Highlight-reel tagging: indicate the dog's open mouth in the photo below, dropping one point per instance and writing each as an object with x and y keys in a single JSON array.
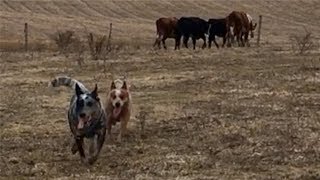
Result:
[
  {"x": 84, "y": 122},
  {"x": 116, "y": 112}
]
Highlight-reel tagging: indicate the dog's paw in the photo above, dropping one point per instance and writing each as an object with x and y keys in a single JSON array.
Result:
[
  {"x": 91, "y": 160},
  {"x": 122, "y": 137},
  {"x": 85, "y": 161},
  {"x": 109, "y": 139},
  {"x": 74, "y": 149},
  {"x": 119, "y": 139}
]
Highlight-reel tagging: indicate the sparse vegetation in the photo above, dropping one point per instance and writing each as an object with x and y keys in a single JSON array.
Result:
[
  {"x": 97, "y": 45},
  {"x": 79, "y": 47},
  {"x": 304, "y": 43},
  {"x": 142, "y": 117},
  {"x": 63, "y": 40},
  {"x": 232, "y": 113}
]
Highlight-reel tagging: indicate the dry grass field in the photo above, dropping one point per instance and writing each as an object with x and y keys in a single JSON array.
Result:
[{"x": 233, "y": 113}]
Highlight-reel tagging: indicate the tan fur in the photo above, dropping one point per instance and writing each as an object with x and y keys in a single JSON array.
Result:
[{"x": 125, "y": 114}]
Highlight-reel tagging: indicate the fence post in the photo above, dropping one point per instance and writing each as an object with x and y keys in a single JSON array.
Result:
[
  {"x": 108, "y": 49},
  {"x": 259, "y": 30},
  {"x": 26, "y": 36},
  {"x": 109, "y": 38}
]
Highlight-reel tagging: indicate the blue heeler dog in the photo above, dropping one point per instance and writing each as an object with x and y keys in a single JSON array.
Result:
[{"x": 87, "y": 118}]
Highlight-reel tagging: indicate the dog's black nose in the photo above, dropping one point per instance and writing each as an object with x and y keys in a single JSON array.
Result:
[
  {"x": 82, "y": 115},
  {"x": 117, "y": 104}
]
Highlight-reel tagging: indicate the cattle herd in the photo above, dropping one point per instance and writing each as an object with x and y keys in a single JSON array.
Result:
[{"x": 237, "y": 25}]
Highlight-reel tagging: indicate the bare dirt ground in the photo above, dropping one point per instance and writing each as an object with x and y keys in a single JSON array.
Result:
[{"x": 235, "y": 113}]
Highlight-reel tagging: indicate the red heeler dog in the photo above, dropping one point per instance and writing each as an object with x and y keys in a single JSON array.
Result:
[{"x": 118, "y": 107}]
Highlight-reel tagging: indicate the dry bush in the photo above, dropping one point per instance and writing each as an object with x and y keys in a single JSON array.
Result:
[
  {"x": 63, "y": 40},
  {"x": 97, "y": 45},
  {"x": 80, "y": 51},
  {"x": 302, "y": 44},
  {"x": 68, "y": 42}
]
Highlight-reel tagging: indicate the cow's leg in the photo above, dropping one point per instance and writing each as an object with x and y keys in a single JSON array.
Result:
[
  {"x": 209, "y": 41},
  {"x": 228, "y": 38},
  {"x": 158, "y": 41},
  {"x": 215, "y": 42},
  {"x": 164, "y": 42},
  {"x": 233, "y": 39},
  {"x": 242, "y": 39},
  {"x": 224, "y": 41},
  {"x": 204, "y": 41},
  {"x": 177, "y": 43},
  {"x": 239, "y": 39},
  {"x": 194, "y": 40},
  {"x": 246, "y": 38},
  {"x": 185, "y": 40},
  {"x": 155, "y": 42}
]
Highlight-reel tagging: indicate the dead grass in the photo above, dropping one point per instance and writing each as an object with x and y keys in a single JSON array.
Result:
[
  {"x": 34, "y": 46},
  {"x": 223, "y": 117},
  {"x": 232, "y": 113}
]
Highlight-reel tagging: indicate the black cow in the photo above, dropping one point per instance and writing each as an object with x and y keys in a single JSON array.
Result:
[
  {"x": 193, "y": 27},
  {"x": 217, "y": 27}
]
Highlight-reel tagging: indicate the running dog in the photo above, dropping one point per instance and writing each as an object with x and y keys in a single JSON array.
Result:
[
  {"x": 118, "y": 107},
  {"x": 86, "y": 116}
]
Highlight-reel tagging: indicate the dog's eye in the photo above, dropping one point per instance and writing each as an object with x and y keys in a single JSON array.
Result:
[
  {"x": 114, "y": 96},
  {"x": 81, "y": 103},
  {"x": 89, "y": 104},
  {"x": 121, "y": 97}
]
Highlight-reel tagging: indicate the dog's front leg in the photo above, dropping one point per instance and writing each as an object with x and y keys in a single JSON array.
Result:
[
  {"x": 123, "y": 128},
  {"x": 93, "y": 149},
  {"x": 100, "y": 139},
  {"x": 97, "y": 145},
  {"x": 93, "y": 145},
  {"x": 79, "y": 142},
  {"x": 74, "y": 148},
  {"x": 109, "y": 126}
]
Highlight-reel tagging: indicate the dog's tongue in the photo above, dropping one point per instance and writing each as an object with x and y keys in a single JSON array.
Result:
[
  {"x": 116, "y": 112},
  {"x": 81, "y": 123}
]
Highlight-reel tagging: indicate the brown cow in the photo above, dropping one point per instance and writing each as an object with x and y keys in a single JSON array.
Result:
[
  {"x": 165, "y": 29},
  {"x": 242, "y": 25}
]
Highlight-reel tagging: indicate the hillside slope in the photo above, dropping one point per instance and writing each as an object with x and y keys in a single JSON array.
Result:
[{"x": 135, "y": 19}]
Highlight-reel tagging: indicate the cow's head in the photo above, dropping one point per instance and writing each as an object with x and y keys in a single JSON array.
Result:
[{"x": 252, "y": 28}]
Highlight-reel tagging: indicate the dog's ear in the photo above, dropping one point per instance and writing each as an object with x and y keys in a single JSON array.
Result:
[
  {"x": 124, "y": 85},
  {"x": 113, "y": 86},
  {"x": 78, "y": 90},
  {"x": 94, "y": 93}
]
